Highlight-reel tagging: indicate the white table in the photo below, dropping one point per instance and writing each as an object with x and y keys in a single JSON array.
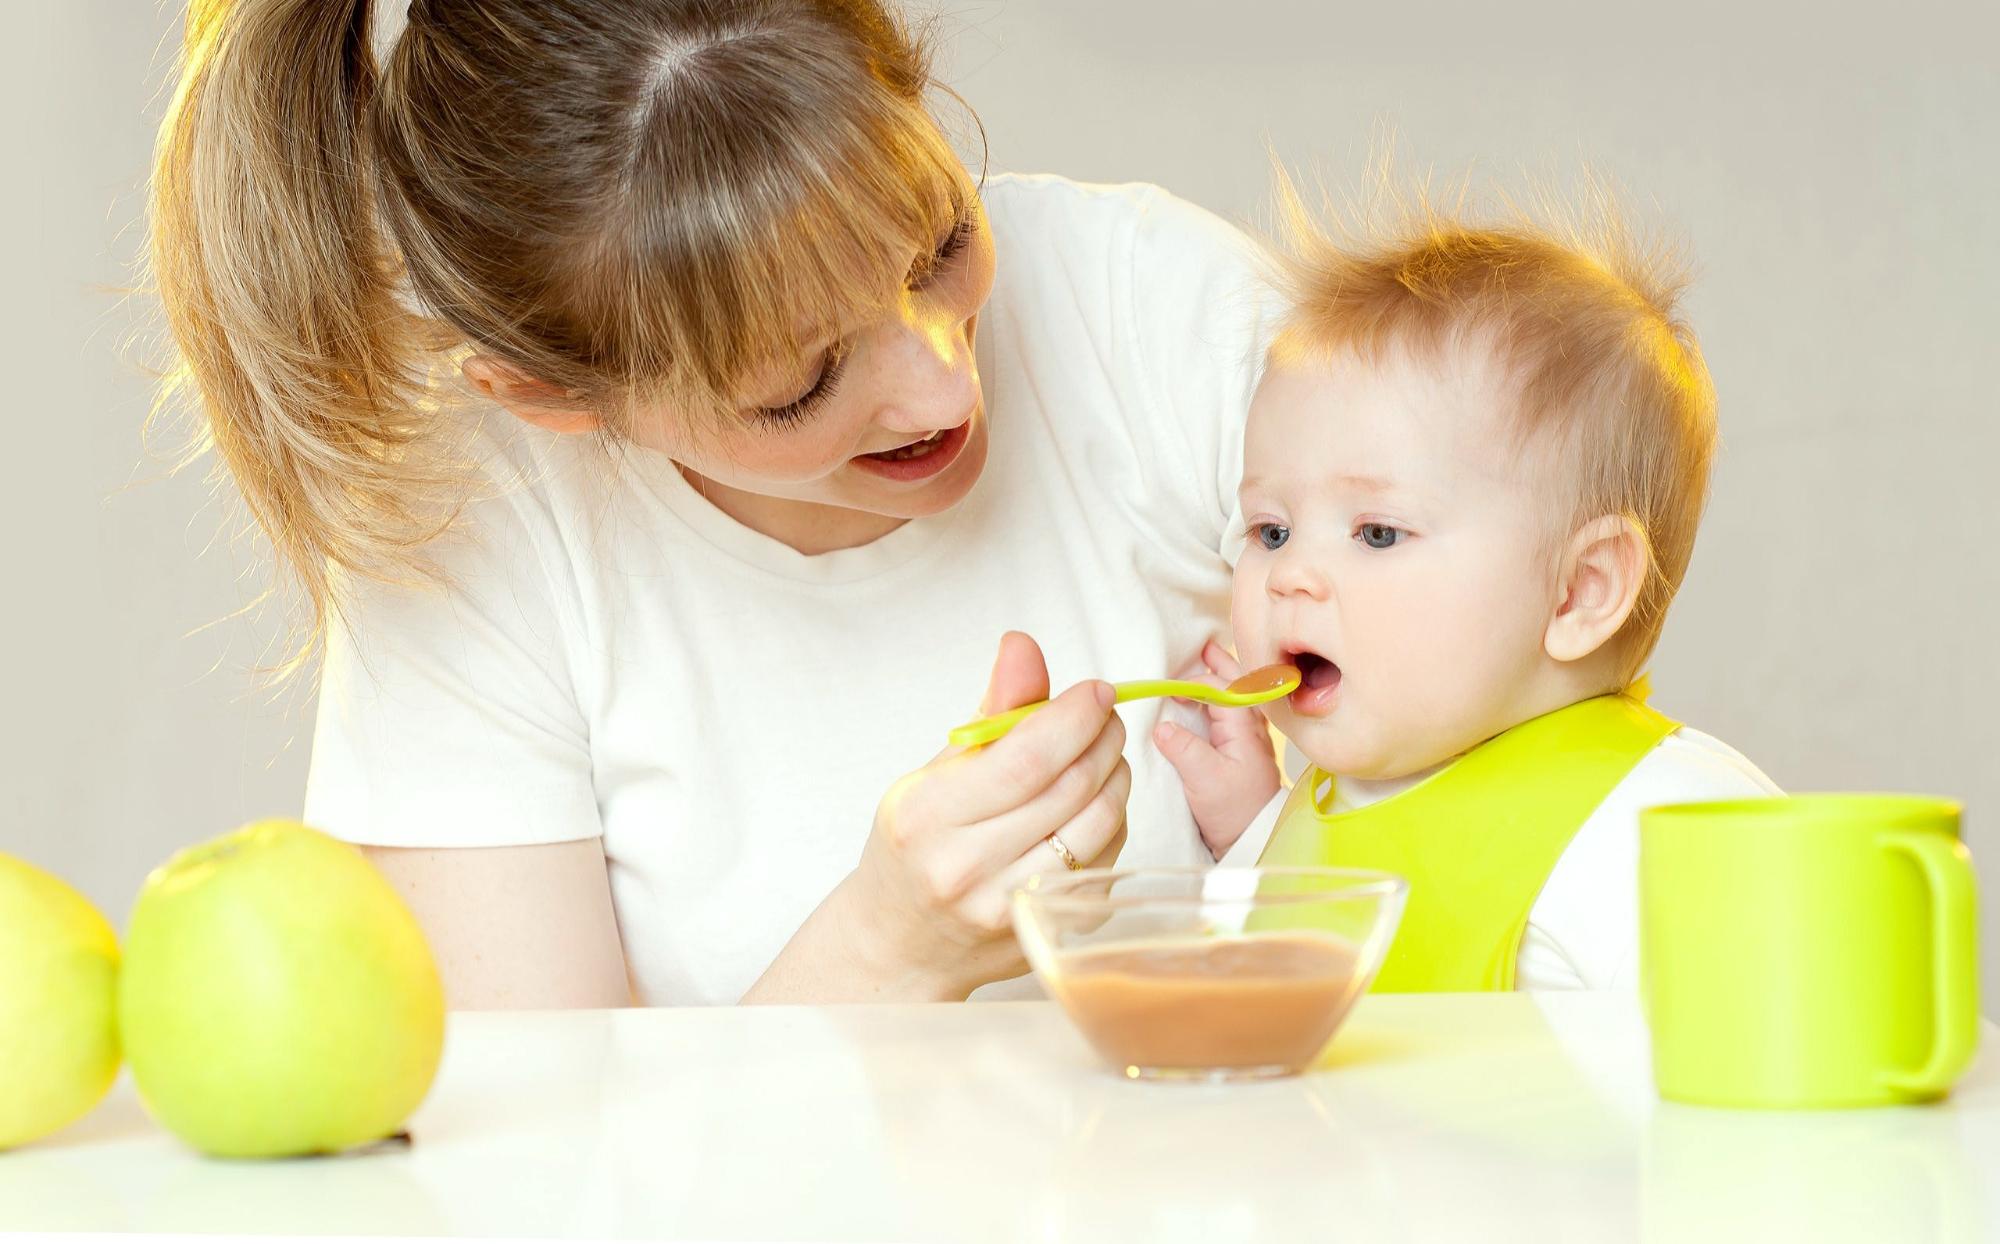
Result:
[{"x": 1443, "y": 1117}]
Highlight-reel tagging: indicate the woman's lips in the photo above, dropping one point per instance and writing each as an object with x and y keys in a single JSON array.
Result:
[
  {"x": 1319, "y": 684},
  {"x": 921, "y": 461}
]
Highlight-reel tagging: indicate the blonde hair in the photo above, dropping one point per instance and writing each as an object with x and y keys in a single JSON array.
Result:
[
  {"x": 1583, "y": 314},
  {"x": 628, "y": 200}
]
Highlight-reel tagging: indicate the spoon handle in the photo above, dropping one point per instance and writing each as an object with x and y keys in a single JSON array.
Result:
[
  {"x": 987, "y": 729},
  {"x": 1146, "y": 688}
]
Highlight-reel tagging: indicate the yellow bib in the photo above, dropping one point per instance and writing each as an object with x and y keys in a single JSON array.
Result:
[{"x": 1477, "y": 840}]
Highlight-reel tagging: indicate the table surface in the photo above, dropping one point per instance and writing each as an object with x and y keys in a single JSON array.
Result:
[{"x": 1489, "y": 1117}]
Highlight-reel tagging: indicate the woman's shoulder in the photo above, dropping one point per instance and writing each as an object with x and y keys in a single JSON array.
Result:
[
  {"x": 1062, "y": 217},
  {"x": 511, "y": 464},
  {"x": 1165, "y": 287},
  {"x": 1052, "y": 194},
  {"x": 516, "y": 490},
  {"x": 1145, "y": 309}
]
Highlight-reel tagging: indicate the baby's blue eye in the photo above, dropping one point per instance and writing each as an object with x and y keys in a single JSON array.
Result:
[
  {"x": 1379, "y": 535},
  {"x": 1271, "y": 535}
]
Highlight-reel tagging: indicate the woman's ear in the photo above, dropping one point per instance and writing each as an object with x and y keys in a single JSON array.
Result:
[
  {"x": 528, "y": 399},
  {"x": 1603, "y": 569}
]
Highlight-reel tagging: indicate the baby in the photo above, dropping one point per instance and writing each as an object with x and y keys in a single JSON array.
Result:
[{"x": 1472, "y": 477}]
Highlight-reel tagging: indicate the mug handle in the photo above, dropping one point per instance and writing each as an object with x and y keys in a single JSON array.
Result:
[{"x": 1947, "y": 873}]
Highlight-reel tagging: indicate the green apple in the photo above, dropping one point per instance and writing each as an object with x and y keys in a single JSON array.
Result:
[
  {"x": 58, "y": 1004},
  {"x": 277, "y": 998}
]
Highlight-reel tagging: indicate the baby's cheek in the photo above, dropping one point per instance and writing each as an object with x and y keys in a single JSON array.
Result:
[
  {"x": 1431, "y": 663},
  {"x": 1425, "y": 696},
  {"x": 1424, "y": 641},
  {"x": 1246, "y": 615}
]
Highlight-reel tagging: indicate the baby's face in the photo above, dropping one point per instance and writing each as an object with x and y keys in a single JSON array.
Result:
[{"x": 1396, "y": 553}]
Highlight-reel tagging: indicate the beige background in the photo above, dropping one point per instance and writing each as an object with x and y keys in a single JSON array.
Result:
[{"x": 1833, "y": 175}]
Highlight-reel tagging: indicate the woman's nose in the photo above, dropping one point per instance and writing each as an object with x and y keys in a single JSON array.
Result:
[{"x": 936, "y": 380}]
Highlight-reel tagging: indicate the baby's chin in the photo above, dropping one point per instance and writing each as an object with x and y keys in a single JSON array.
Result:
[
  {"x": 1366, "y": 768},
  {"x": 1365, "y": 756}
]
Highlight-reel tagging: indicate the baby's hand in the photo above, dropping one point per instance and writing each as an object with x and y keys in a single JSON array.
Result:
[{"x": 1230, "y": 775}]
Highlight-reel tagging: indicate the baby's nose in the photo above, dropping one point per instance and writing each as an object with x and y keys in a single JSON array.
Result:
[{"x": 1297, "y": 576}]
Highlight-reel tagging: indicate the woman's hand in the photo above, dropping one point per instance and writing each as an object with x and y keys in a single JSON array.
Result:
[
  {"x": 955, "y": 839},
  {"x": 926, "y": 912}
]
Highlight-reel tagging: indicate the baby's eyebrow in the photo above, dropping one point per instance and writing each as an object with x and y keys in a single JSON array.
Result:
[
  {"x": 1346, "y": 479},
  {"x": 1362, "y": 483}
]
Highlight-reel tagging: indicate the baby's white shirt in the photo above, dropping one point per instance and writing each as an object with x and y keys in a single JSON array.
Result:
[{"x": 1583, "y": 931}]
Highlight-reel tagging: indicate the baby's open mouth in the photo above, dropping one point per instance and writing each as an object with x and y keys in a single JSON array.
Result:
[{"x": 1319, "y": 682}]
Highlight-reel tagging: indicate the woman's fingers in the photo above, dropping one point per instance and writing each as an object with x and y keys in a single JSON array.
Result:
[
  {"x": 1095, "y": 836},
  {"x": 965, "y": 876},
  {"x": 1006, "y": 836},
  {"x": 1020, "y": 675},
  {"x": 1088, "y": 833},
  {"x": 1091, "y": 832},
  {"x": 1011, "y": 771},
  {"x": 1108, "y": 857}
]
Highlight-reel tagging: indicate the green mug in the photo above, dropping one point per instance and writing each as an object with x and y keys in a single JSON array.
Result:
[{"x": 1815, "y": 950}]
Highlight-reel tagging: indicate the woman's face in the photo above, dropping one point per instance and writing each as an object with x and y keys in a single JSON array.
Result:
[{"x": 886, "y": 418}]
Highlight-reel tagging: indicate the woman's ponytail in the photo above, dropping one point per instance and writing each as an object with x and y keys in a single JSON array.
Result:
[{"x": 281, "y": 295}]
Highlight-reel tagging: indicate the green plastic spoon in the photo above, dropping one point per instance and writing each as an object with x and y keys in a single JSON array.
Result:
[{"x": 1259, "y": 686}]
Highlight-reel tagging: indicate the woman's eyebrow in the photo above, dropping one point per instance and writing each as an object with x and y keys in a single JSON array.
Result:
[{"x": 960, "y": 209}]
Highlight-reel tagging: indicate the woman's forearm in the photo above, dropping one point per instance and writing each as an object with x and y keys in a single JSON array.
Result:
[{"x": 833, "y": 958}]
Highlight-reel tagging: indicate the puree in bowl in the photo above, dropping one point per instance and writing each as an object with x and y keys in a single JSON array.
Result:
[{"x": 1262, "y": 1000}]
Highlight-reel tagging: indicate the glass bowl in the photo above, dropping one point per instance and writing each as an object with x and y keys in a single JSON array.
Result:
[{"x": 1211, "y": 974}]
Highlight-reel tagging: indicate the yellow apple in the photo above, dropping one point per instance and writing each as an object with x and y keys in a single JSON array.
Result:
[
  {"x": 277, "y": 998},
  {"x": 58, "y": 1003}
]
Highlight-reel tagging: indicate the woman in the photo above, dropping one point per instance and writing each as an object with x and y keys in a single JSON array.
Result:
[{"x": 617, "y": 690}]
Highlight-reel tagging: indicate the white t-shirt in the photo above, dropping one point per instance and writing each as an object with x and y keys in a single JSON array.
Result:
[
  {"x": 1583, "y": 931},
  {"x": 620, "y": 658}
]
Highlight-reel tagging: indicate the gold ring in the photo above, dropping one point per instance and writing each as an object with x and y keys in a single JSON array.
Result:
[{"x": 1068, "y": 858}]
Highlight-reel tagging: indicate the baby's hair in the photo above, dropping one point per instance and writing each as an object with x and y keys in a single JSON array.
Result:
[
  {"x": 1608, "y": 381},
  {"x": 626, "y": 200}
]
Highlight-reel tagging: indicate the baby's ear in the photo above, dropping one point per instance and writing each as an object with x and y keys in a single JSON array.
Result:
[
  {"x": 1603, "y": 568},
  {"x": 528, "y": 399}
]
